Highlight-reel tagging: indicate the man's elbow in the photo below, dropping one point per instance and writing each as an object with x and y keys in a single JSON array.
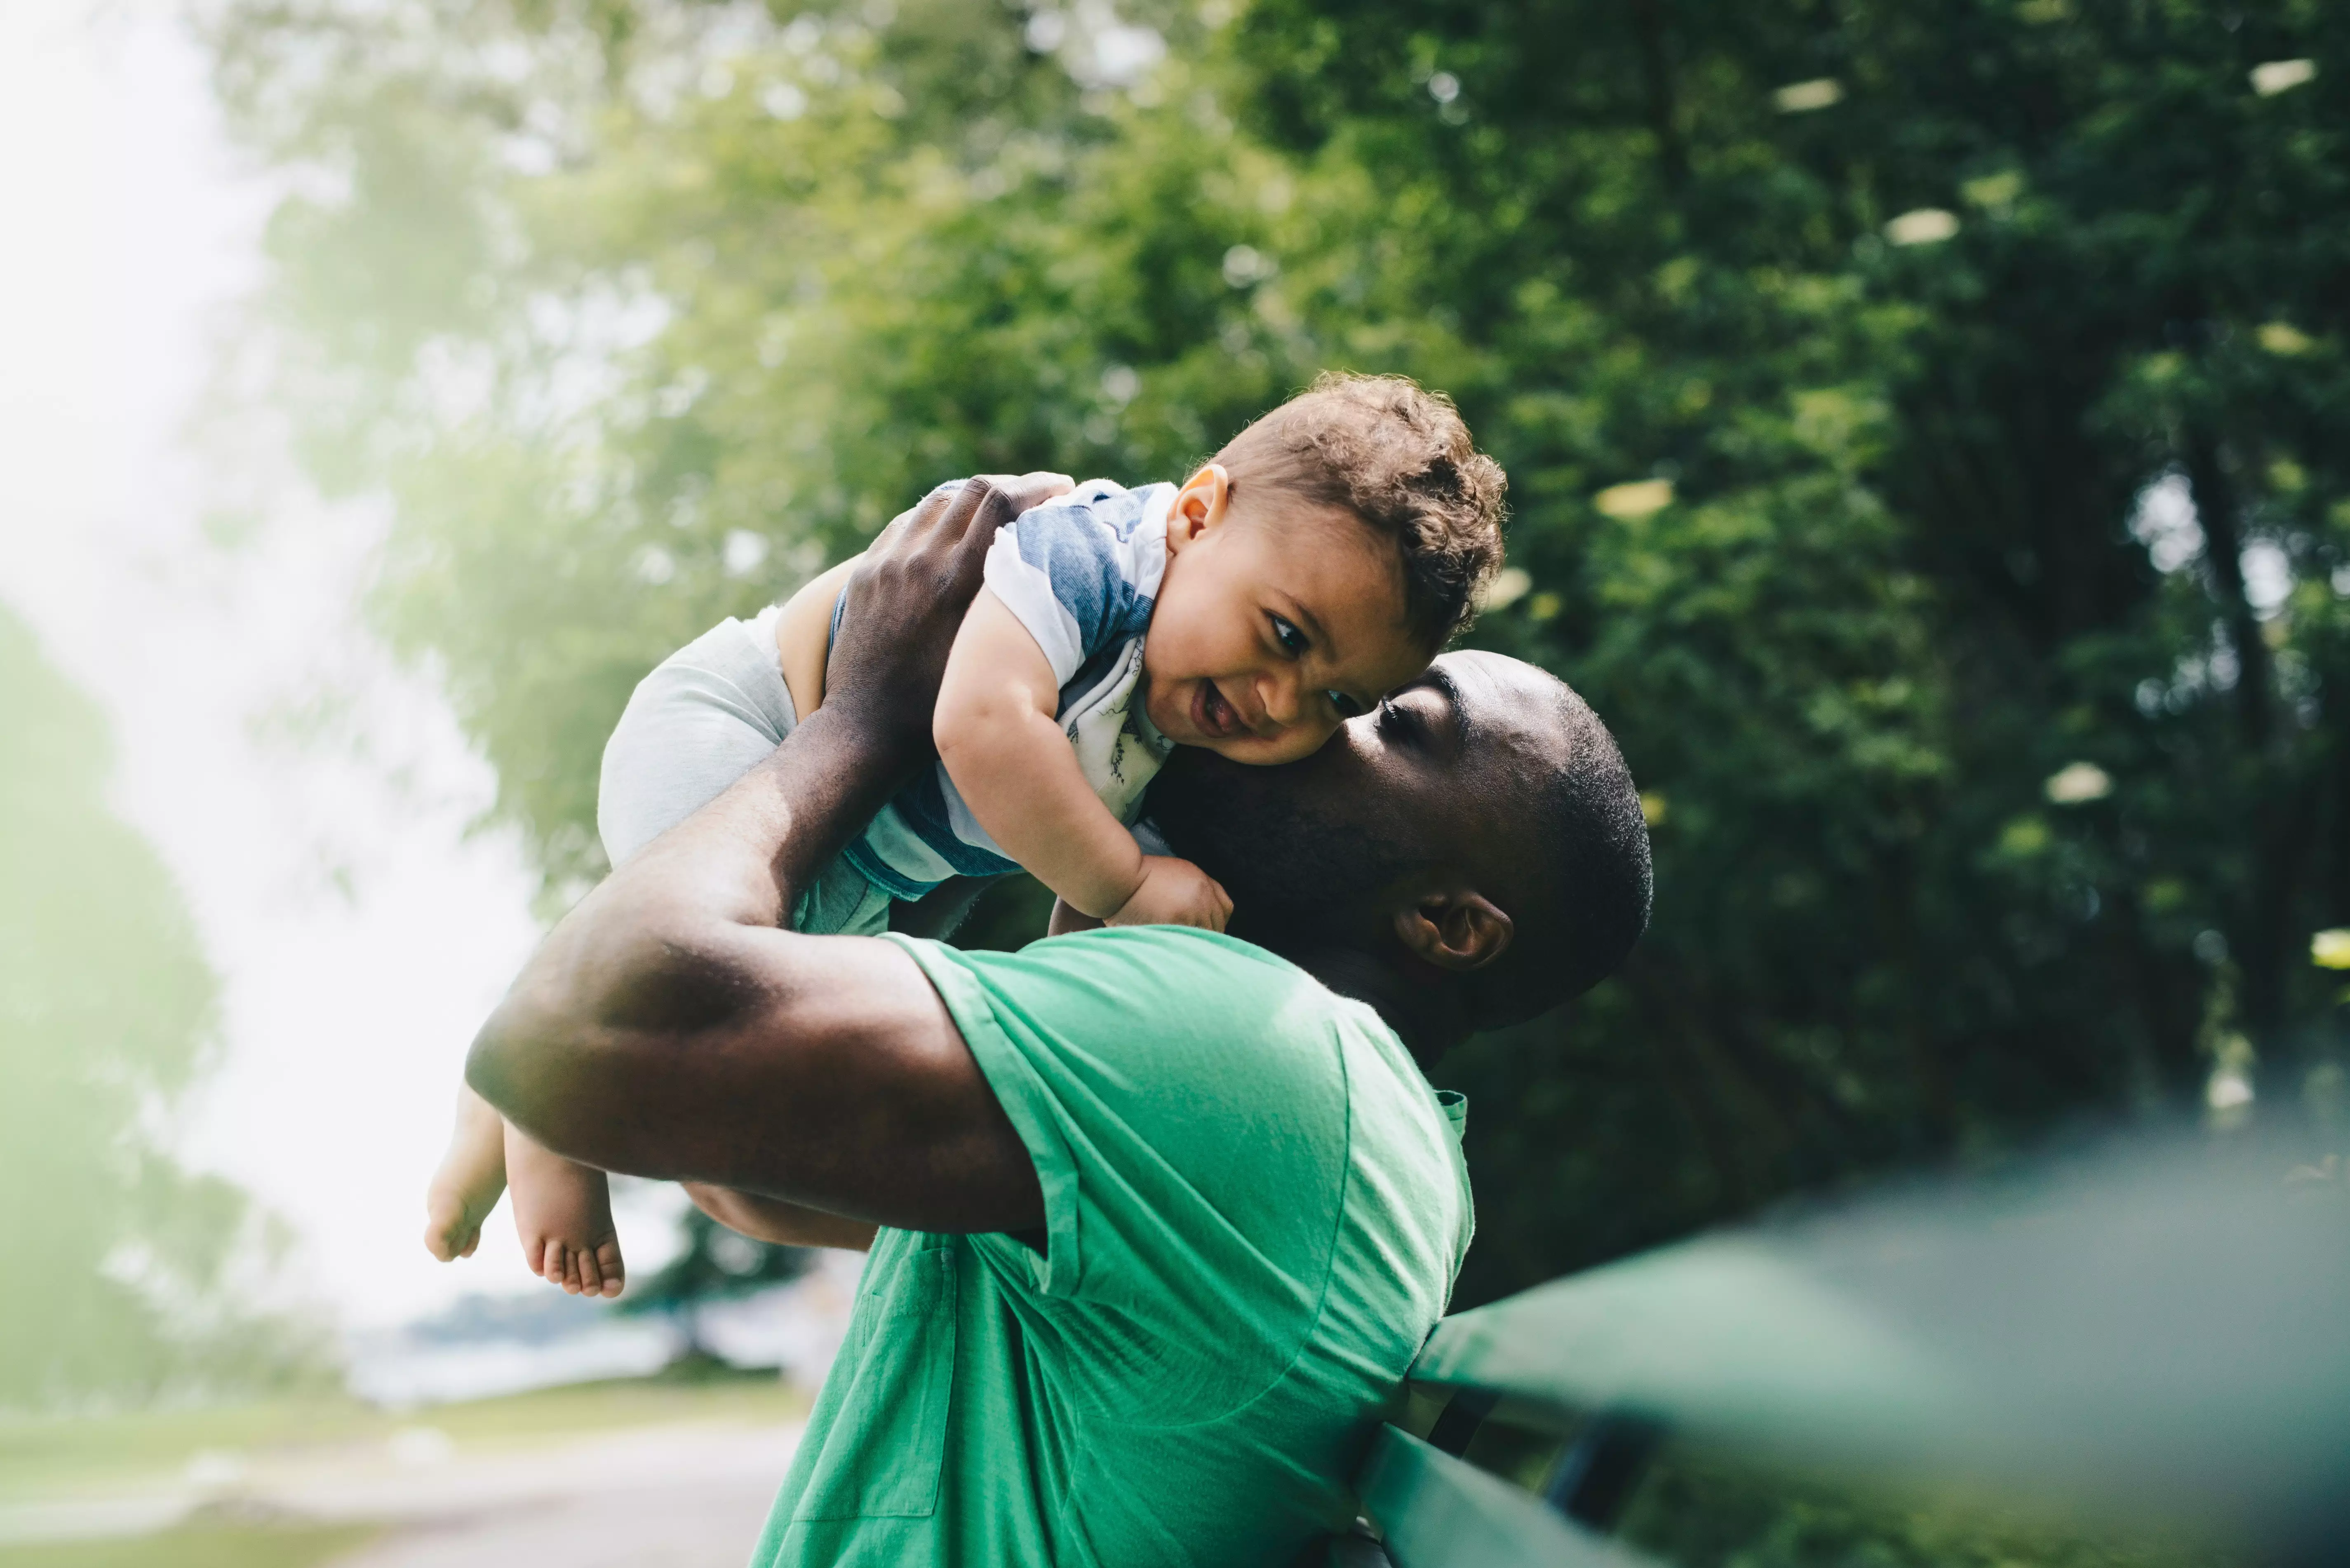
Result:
[
  {"x": 506, "y": 1065},
  {"x": 535, "y": 1053},
  {"x": 494, "y": 1066}
]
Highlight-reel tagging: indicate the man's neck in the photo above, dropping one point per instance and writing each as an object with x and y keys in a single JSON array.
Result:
[{"x": 1428, "y": 1017}]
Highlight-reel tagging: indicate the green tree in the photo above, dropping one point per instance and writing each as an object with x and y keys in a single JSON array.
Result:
[
  {"x": 107, "y": 1015},
  {"x": 1925, "y": 421},
  {"x": 1987, "y": 664}
]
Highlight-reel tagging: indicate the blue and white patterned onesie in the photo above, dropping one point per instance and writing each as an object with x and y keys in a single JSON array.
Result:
[{"x": 1081, "y": 573}]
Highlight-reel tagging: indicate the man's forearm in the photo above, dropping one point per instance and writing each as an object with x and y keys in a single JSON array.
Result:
[
  {"x": 748, "y": 856},
  {"x": 671, "y": 1027},
  {"x": 742, "y": 860}
]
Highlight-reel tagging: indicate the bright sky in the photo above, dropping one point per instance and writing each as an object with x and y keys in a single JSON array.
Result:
[{"x": 359, "y": 933}]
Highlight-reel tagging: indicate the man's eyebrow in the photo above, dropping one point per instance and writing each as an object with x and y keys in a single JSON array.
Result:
[{"x": 1442, "y": 679}]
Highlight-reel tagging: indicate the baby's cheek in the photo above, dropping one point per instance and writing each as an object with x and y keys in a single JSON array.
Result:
[{"x": 1297, "y": 745}]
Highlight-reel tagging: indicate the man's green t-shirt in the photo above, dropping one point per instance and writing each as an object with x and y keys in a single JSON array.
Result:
[{"x": 1254, "y": 1209}]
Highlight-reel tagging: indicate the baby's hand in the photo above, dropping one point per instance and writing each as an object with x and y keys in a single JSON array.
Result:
[{"x": 1174, "y": 893}]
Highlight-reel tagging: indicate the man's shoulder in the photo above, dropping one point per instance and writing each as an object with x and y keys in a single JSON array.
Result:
[
  {"x": 1166, "y": 1011},
  {"x": 1178, "y": 978},
  {"x": 1185, "y": 1098}
]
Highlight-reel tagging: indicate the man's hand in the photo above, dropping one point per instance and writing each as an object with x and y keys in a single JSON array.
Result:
[{"x": 906, "y": 601}]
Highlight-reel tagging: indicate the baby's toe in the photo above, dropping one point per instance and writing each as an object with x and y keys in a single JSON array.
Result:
[
  {"x": 607, "y": 1263},
  {"x": 591, "y": 1279}
]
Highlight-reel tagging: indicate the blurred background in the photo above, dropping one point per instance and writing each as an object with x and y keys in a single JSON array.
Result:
[{"x": 1929, "y": 428}]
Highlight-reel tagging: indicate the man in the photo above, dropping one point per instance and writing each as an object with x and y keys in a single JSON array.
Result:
[{"x": 1162, "y": 1215}]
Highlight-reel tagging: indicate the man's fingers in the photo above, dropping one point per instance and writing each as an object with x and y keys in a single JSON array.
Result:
[
  {"x": 985, "y": 502},
  {"x": 1020, "y": 491}
]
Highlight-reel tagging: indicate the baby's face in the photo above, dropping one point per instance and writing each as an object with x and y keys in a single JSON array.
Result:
[{"x": 1272, "y": 631}]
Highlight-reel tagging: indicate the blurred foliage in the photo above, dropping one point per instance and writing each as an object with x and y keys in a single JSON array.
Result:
[
  {"x": 107, "y": 1014},
  {"x": 714, "y": 1265},
  {"x": 1706, "y": 1509},
  {"x": 1906, "y": 405}
]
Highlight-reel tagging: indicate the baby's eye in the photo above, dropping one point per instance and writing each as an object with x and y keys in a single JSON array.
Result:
[
  {"x": 1292, "y": 640},
  {"x": 1347, "y": 706}
]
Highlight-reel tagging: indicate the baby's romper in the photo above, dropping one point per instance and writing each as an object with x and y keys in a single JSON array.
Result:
[{"x": 1081, "y": 573}]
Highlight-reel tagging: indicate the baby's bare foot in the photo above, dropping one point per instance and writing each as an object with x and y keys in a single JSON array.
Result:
[
  {"x": 564, "y": 1214},
  {"x": 466, "y": 1187}
]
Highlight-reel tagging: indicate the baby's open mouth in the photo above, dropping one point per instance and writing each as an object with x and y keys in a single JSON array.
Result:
[{"x": 1214, "y": 717}]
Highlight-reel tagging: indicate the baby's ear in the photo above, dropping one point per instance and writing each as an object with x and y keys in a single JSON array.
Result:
[{"x": 1200, "y": 506}]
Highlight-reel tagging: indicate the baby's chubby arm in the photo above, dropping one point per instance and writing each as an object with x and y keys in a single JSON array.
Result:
[{"x": 997, "y": 732}]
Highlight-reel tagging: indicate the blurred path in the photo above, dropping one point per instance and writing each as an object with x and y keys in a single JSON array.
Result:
[
  {"x": 678, "y": 1498},
  {"x": 700, "y": 1524}
]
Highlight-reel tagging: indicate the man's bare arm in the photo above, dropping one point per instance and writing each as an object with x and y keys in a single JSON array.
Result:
[{"x": 667, "y": 1028}]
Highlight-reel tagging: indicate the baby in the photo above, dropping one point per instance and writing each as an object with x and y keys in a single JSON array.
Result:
[{"x": 1317, "y": 562}]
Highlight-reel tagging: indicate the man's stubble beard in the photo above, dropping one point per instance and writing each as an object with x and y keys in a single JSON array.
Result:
[{"x": 1297, "y": 878}]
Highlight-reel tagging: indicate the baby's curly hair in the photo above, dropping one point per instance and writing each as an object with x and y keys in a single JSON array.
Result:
[{"x": 1399, "y": 457}]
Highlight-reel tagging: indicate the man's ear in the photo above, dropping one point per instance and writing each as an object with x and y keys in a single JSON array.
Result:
[
  {"x": 1456, "y": 932},
  {"x": 1200, "y": 506}
]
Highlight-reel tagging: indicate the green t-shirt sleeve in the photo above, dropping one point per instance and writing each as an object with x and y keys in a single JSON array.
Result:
[{"x": 1184, "y": 1098}]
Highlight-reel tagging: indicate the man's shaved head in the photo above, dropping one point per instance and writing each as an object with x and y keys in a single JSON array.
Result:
[
  {"x": 1581, "y": 875},
  {"x": 1487, "y": 786}
]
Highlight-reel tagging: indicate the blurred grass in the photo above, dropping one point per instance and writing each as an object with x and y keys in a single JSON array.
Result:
[
  {"x": 199, "y": 1546},
  {"x": 48, "y": 1457}
]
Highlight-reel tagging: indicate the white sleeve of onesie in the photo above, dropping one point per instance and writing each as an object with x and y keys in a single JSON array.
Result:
[{"x": 1078, "y": 573}]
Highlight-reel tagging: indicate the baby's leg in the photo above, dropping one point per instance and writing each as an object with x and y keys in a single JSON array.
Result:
[
  {"x": 563, "y": 1211},
  {"x": 466, "y": 1187},
  {"x": 707, "y": 714},
  {"x": 711, "y": 712}
]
